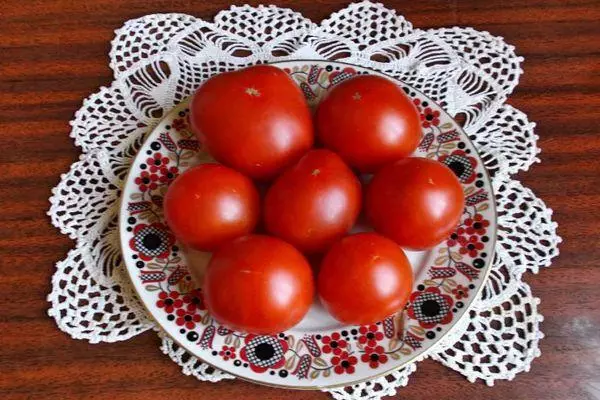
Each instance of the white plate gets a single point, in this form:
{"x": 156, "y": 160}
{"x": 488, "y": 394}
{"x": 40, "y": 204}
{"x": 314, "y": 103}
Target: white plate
{"x": 319, "y": 352}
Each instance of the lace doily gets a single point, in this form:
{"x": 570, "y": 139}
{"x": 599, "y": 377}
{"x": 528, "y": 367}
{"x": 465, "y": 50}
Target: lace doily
{"x": 158, "y": 60}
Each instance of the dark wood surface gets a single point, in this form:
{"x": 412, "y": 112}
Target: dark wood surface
{"x": 54, "y": 53}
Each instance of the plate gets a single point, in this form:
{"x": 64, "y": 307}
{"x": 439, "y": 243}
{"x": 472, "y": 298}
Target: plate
{"x": 319, "y": 352}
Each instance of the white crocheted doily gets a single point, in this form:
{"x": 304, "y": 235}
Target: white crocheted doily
{"x": 158, "y": 60}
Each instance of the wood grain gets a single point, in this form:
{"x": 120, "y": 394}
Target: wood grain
{"x": 54, "y": 53}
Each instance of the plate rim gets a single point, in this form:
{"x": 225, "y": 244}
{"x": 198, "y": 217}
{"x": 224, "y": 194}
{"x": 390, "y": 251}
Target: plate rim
{"x": 409, "y": 359}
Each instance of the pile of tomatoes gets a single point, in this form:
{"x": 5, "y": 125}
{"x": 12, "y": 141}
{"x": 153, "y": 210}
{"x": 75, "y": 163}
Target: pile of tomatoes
{"x": 276, "y": 199}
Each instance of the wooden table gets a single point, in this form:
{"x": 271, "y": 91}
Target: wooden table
{"x": 54, "y": 53}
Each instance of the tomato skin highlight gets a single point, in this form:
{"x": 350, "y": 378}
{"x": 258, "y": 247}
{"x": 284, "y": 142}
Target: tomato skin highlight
{"x": 364, "y": 278}
{"x": 258, "y": 284}
{"x": 369, "y": 122}
{"x": 254, "y": 120}
{"x": 416, "y": 202}
{"x": 314, "y": 203}
{"x": 211, "y": 204}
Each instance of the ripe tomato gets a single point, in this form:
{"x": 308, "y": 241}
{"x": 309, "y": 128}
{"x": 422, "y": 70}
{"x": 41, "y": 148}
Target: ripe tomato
{"x": 210, "y": 204}
{"x": 258, "y": 284}
{"x": 314, "y": 203}
{"x": 254, "y": 120}
{"x": 364, "y": 278}
{"x": 416, "y": 202}
{"x": 369, "y": 122}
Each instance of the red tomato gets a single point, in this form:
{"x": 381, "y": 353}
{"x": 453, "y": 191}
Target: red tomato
{"x": 210, "y": 204}
{"x": 364, "y": 278}
{"x": 416, "y": 202}
{"x": 254, "y": 120}
{"x": 258, "y": 284}
{"x": 369, "y": 122}
{"x": 314, "y": 203}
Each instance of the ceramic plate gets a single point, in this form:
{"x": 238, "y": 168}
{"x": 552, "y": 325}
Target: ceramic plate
{"x": 318, "y": 352}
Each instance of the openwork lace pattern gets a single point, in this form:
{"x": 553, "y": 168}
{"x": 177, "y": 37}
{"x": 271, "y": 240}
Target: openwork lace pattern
{"x": 158, "y": 60}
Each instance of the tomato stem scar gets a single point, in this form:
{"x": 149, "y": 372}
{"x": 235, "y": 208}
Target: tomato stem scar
{"x": 252, "y": 92}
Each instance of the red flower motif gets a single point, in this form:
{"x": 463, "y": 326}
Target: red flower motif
{"x": 430, "y": 307}
{"x": 152, "y": 241}
{"x": 227, "y": 352}
{"x": 169, "y": 301}
{"x": 374, "y": 356}
{"x": 457, "y": 237}
{"x": 344, "y": 363}
{"x": 187, "y": 319}
{"x": 460, "y": 292}
{"x": 476, "y": 225}
{"x": 179, "y": 124}
{"x": 370, "y": 335}
{"x": 264, "y": 352}
{"x": 430, "y": 117}
{"x": 463, "y": 165}
{"x": 157, "y": 162}
{"x": 194, "y": 301}
{"x": 146, "y": 181}
{"x": 334, "y": 343}
{"x": 168, "y": 174}
{"x": 471, "y": 246}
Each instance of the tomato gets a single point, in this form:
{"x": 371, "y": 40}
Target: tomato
{"x": 416, "y": 202}
{"x": 254, "y": 120}
{"x": 364, "y": 278}
{"x": 258, "y": 284}
{"x": 369, "y": 122}
{"x": 314, "y": 203}
{"x": 210, "y": 204}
